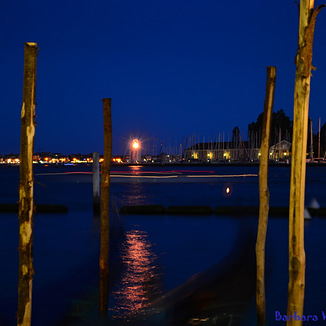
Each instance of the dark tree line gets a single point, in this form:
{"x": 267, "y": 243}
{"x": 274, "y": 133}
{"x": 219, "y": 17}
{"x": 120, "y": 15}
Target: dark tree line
{"x": 315, "y": 139}
{"x": 281, "y": 129}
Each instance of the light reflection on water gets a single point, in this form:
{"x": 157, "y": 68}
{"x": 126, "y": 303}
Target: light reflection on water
{"x": 136, "y": 195}
{"x": 140, "y": 281}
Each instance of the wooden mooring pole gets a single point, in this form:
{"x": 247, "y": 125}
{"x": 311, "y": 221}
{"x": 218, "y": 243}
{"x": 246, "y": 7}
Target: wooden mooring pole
{"x": 26, "y": 202}
{"x": 297, "y": 258}
{"x": 105, "y": 204}
{"x": 264, "y": 197}
{"x": 96, "y": 183}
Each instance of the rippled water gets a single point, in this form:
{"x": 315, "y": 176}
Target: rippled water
{"x": 154, "y": 254}
{"x": 140, "y": 277}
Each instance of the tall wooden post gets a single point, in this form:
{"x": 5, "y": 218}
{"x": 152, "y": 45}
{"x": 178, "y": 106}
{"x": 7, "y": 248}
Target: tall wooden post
{"x": 105, "y": 193}
{"x": 303, "y": 61}
{"x": 264, "y": 197}
{"x": 26, "y": 183}
{"x": 96, "y": 183}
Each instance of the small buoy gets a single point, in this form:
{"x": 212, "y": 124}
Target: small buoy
{"x": 307, "y": 215}
{"x": 314, "y": 204}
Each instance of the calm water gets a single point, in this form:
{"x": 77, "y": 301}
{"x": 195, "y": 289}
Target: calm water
{"x": 152, "y": 254}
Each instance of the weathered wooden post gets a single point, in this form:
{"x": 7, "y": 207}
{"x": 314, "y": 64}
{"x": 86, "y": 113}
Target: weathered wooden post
{"x": 303, "y": 61}
{"x": 105, "y": 204}
{"x": 96, "y": 183}
{"x": 264, "y": 197}
{"x": 26, "y": 183}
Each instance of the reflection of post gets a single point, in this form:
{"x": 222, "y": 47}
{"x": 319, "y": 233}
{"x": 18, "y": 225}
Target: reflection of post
{"x": 264, "y": 197}
{"x": 26, "y": 204}
{"x": 105, "y": 192}
{"x": 96, "y": 183}
{"x": 297, "y": 258}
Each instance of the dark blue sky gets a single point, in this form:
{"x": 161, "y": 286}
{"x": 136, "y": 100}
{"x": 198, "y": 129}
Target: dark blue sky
{"x": 173, "y": 68}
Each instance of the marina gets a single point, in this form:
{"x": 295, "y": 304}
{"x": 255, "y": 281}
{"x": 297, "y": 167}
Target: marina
{"x": 193, "y": 200}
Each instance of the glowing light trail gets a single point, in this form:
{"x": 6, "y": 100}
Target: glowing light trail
{"x": 159, "y": 175}
{"x": 222, "y": 176}
{"x": 145, "y": 176}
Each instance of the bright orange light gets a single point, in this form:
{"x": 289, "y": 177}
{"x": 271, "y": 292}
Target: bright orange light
{"x": 227, "y": 190}
{"x": 135, "y": 144}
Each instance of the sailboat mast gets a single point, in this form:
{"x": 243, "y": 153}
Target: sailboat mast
{"x": 319, "y": 139}
{"x": 311, "y": 142}
{"x": 279, "y": 143}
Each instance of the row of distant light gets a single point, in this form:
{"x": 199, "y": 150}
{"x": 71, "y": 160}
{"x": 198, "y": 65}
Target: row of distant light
{"x": 55, "y": 160}
{"x": 228, "y": 153}
{"x": 11, "y": 161}
{"x": 135, "y": 145}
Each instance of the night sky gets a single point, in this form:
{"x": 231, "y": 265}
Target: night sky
{"x": 173, "y": 68}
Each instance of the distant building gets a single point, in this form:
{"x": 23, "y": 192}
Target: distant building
{"x": 280, "y": 151}
{"x": 163, "y": 157}
{"x": 221, "y": 151}
{"x": 146, "y": 158}
{"x": 36, "y": 158}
